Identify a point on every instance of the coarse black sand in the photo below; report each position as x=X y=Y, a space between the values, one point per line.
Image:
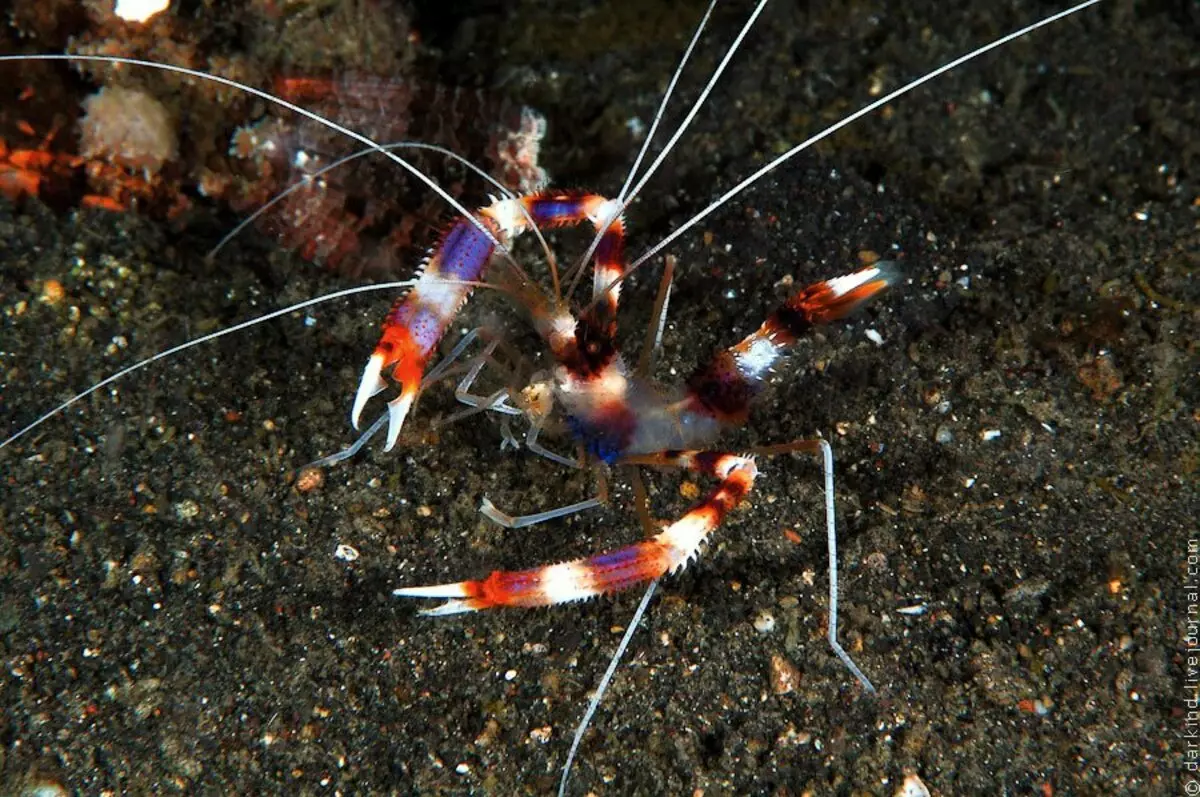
x=1017 y=458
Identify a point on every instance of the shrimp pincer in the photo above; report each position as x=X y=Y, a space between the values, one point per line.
x=417 y=321
x=647 y=432
x=440 y=686
x=667 y=552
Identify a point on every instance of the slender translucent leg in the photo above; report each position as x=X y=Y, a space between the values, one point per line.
x=489 y=510
x=353 y=448
x=658 y=321
x=509 y=439
x=813 y=446
x=641 y=502
x=441 y=370
x=831 y=535
x=533 y=445
x=496 y=401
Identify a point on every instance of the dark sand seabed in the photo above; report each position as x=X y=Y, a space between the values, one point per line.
x=173 y=617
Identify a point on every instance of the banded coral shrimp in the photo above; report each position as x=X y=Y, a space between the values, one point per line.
x=274 y=677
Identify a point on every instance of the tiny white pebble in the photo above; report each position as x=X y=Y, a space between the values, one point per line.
x=510 y=675
x=187 y=509
x=764 y=623
x=463 y=769
x=913 y=786
x=139 y=10
x=989 y=434
x=345 y=552
x=44 y=789
x=874 y=337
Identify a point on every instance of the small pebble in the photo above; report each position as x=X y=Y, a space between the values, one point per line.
x=310 y=479
x=52 y=292
x=912 y=786
x=764 y=623
x=187 y=509
x=785 y=678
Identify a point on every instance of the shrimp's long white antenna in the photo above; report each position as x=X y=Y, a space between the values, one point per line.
x=383 y=286
x=307 y=179
x=679 y=131
x=662 y=105
x=602 y=687
x=372 y=146
x=861 y=112
x=697 y=105
x=271 y=98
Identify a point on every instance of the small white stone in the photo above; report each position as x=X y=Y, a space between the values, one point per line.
x=764 y=623
x=140 y=10
x=912 y=786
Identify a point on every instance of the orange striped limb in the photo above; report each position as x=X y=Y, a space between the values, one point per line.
x=550 y=209
x=416 y=323
x=667 y=552
x=724 y=388
x=827 y=301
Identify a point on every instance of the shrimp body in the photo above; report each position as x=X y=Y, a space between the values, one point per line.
x=621 y=419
